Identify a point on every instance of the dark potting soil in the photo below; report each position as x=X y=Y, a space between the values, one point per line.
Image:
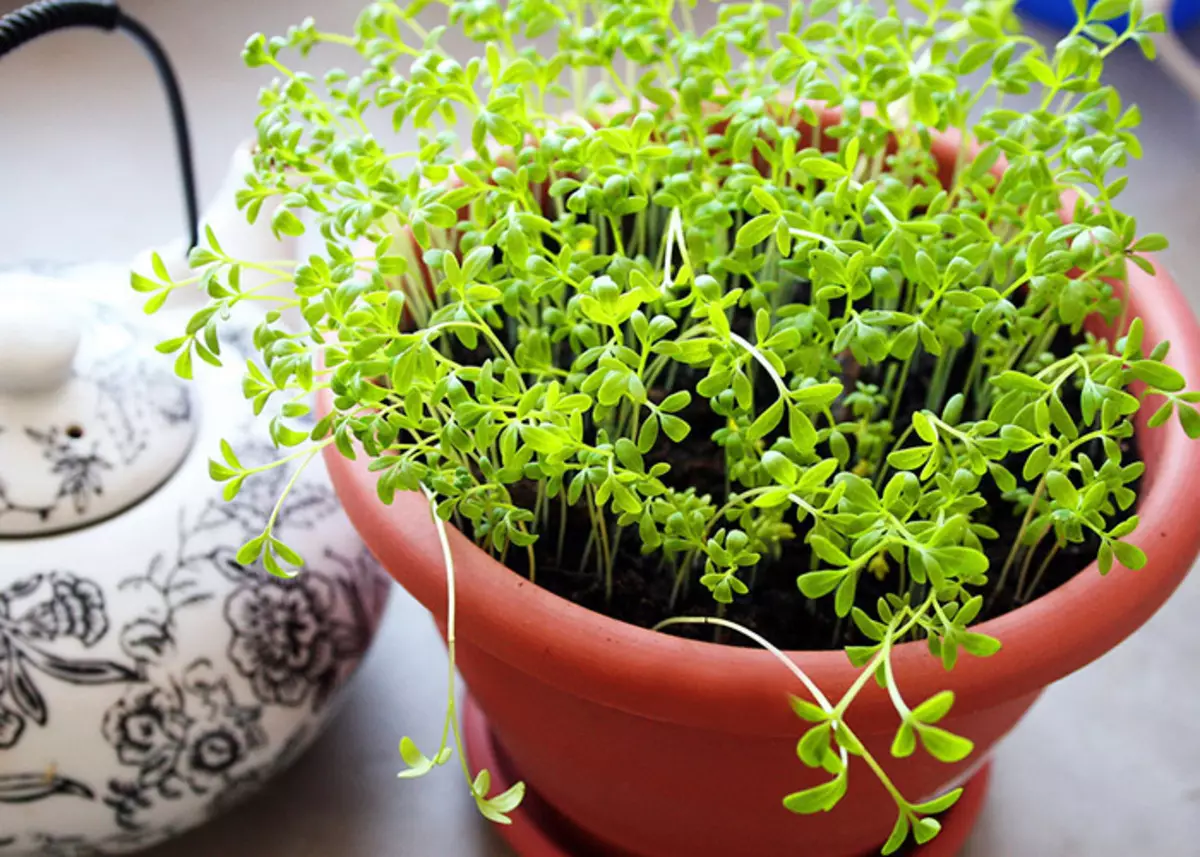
x=775 y=607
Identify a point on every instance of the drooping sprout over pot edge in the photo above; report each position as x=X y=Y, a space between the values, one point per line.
x=610 y=216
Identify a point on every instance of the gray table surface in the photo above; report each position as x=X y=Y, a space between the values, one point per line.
x=1107 y=764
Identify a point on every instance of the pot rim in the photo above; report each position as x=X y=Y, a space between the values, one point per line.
x=706 y=685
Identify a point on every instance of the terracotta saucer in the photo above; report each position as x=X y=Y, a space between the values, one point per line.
x=538 y=831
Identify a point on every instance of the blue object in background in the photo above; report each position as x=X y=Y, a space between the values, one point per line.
x=1061 y=13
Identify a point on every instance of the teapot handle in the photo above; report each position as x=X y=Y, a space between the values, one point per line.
x=45 y=16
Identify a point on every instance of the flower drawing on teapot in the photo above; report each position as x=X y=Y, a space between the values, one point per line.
x=77 y=471
x=43 y=618
x=188 y=736
x=283 y=638
x=290 y=643
x=136 y=400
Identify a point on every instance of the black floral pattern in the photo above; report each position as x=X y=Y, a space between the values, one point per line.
x=66 y=606
x=146 y=727
x=193 y=738
x=291 y=641
x=31 y=787
x=282 y=637
x=136 y=399
x=78 y=471
x=40 y=616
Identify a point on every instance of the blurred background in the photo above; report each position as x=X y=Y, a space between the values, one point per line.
x=1107 y=764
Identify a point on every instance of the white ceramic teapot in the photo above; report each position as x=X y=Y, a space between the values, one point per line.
x=147 y=679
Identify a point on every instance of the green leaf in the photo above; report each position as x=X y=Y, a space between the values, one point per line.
x=629 y=456
x=766 y=421
x=418 y=763
x=905 y=742
x=1151 y=244
x=813 y=747
x=156 y=301
x=869 y=628
x=802 y=433
x=509 y=799
x=1061 y=489
x=1017 y=438
x=143 y=284
x=496 y=809
x=1009 y=380
x=820 y=798
x=924 y=427
x=815 y=584
x=1130 y=556
x=170 y=346
x=183 y=364
x=674 y=428
x=827 y=551
x=844 y=599
x=229 y=455
x=822 y=168
x=757 y=230
x=779 y=467
x=960 y=561
x=926 y=829
x=945 y=746
x=1190 y=420
x=1106 y=10
x=935 y=708
x=806 y=710
x=939 y=804
x=1041 y=72
x=676 y=402
x=979 y=645
x=540 y=439
x=249 y=553
x=909 y=459
x=1158 y=375
x=285 y=223
x=1162 y=414
x=898 y=836
x=218 y=472
x=647 y=435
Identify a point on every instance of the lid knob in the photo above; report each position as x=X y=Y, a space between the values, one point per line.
x=38 y=342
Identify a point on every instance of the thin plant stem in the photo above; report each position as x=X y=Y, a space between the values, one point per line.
x=1012 y=553
x=1037 y=578
x=1027 y=562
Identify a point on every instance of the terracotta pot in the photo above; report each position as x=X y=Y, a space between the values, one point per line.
x=664 y=747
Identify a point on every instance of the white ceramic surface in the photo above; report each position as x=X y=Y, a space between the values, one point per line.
x=147 y=679
x=90 y=422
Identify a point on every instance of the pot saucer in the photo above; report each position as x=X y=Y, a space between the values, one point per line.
x=538 y=831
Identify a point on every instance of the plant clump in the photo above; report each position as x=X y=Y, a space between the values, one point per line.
x=828 y=231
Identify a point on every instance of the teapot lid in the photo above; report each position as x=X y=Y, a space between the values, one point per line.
x=90 y=422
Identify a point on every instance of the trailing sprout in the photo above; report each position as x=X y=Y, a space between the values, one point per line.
x=649 y=221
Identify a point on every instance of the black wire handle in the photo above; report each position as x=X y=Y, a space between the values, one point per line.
x=45 y=16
